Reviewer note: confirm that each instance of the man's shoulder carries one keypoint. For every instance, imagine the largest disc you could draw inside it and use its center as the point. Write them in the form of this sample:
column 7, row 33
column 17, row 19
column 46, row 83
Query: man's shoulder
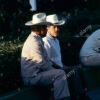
column 32, row 40
column 94, row 36
column 34, row 37
column 97, row 32
column 47, row 42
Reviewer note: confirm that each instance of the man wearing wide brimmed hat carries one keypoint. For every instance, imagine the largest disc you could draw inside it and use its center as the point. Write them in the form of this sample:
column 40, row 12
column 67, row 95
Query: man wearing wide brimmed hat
column 36, row 68
column 52, row 46
column 51, row 42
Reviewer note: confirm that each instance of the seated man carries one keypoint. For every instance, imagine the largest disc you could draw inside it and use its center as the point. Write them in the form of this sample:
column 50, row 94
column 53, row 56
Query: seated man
column 90, row 51
column 51, row 44
column 36, row 68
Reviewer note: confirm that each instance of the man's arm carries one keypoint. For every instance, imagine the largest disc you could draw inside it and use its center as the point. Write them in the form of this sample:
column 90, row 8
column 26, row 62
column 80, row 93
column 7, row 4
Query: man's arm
column 38, row 56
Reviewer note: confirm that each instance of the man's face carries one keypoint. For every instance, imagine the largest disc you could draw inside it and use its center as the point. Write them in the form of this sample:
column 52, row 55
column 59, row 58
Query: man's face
column 53, row 30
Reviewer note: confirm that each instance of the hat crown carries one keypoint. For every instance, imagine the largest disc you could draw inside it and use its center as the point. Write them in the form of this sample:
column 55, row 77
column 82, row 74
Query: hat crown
column 52, row 18
column 38, row 18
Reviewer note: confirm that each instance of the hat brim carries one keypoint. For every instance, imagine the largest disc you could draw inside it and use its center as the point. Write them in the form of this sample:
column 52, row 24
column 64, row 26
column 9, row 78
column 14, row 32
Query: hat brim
column 61, row 22
column 29, row 23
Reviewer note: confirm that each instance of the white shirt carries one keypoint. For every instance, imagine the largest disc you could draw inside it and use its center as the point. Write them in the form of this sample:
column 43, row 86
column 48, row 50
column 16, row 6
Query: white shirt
column 91, row 45
column 52, row 47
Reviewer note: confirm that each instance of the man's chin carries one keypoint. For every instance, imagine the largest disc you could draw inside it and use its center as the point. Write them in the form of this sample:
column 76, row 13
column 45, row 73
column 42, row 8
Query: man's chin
column 56, row 36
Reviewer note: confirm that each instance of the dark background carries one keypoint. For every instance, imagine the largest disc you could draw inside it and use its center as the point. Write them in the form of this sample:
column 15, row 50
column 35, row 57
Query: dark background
column 13, row 33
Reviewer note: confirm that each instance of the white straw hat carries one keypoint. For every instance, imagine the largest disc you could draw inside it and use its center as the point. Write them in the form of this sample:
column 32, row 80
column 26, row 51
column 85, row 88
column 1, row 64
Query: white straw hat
column 38, row 19
column 54, row 20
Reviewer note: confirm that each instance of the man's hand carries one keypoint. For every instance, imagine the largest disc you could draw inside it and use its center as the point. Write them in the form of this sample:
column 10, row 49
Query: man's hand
column 55, row 65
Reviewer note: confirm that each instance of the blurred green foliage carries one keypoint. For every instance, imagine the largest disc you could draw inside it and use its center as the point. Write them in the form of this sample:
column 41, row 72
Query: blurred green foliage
column 10, row 53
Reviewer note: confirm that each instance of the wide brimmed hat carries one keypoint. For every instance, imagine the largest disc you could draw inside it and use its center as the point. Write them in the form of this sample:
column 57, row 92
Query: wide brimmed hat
column 54, row 20
column 38, row 19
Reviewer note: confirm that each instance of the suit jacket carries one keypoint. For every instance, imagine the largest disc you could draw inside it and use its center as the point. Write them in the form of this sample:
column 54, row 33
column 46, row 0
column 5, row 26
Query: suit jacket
column 34, row 58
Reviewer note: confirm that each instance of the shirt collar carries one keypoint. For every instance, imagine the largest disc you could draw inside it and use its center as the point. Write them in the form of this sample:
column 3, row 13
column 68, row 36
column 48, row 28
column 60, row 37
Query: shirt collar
column 49, row 36
column 33, row 33
column 36, row 35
